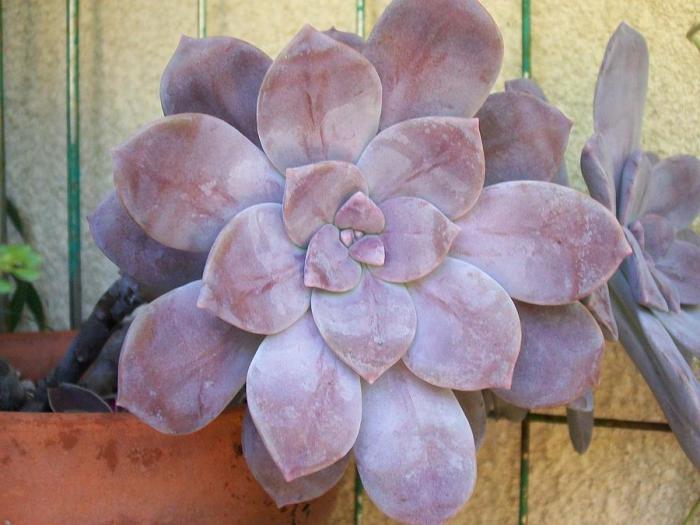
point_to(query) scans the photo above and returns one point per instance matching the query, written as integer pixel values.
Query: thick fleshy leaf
(468, 332)
(182, 178)
(314, 193)
(270, 477)
(598, 303)
(636, 270)
(353, 40)
(370, 327)
(415, 451)
(673, 190)
(683, 327)
(600, 184)
(579, 419)
(328, 265)
(219, 76)
(369, 249)
(618, 106)
(320, 100)
(416, 239)
(544, 243)
(254, 277)
(524, 138)
(474, 408)
(438, 159)
(633, 186)
(306, 404)
(180, 366)
(664, 368)
(360, 213)
(434, 58)
(681, 264)
(73, 398)
(560, 356)
(157, 268)
(502, 409)
(658, 235)
(668, 289)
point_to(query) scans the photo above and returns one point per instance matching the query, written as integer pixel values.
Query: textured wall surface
(627, 477)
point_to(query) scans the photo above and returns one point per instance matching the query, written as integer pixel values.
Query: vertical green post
(3, 183)
(201, 18)
(524, 469)
(526, 58)
(360, 18)
(73, 155)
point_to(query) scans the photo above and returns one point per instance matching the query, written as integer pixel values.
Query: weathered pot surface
(113, 469)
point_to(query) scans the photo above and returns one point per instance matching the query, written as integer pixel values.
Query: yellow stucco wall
(627, 477)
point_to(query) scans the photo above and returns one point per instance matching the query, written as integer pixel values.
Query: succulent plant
(369, 249)
(656, 292)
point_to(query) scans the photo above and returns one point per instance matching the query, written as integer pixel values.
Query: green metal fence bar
(525, 33)
(201, 18)
(3, 182)
(524, 469)
(73, 155)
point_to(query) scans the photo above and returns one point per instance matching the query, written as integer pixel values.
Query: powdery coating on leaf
(157, 268)
(474, 408)
(633, 187)
(306, 404)
(369, 249)
(683, 327)
(349, 39)
(320, 100)
(600, 185)
(438, 159)
(180, 366)
(270, 477)
(525, 85)
(183, 177)
(658, 235)
(254, 277)
(636, 269)
(673, 190)
(434, 58)
(415, 451)
(524, 138)
(361, 213)
(618, 106)
(544, 243)
(328, 265)
(559, 358)
(681, 265)
(468, 332)
(370, 327)
(416, 239)
(598, 303)
(219, 76)
(314, 193)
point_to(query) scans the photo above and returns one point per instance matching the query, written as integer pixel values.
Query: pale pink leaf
(416, 239)
(683, 327)
(524, 138)
(157, 268)
(320, 100)
(369, 249)
(370, 327)
(415, 452)
(633, 186)
(474, 408)
(658, 235)
(254, 277)
(438, 159)
(180, 366)
(468, 332)
(306, 404)
(219, 76)
(314, 193)
(600, 183)
(681, 264)
(183, 177)
(598, 303)
(641, 281)
(353, 40)
(328, 265)
(544, 243)
(560, 356)
(361, 213)
(434, 58)
(270, 477)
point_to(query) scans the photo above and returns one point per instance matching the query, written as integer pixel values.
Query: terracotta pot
(112, 469)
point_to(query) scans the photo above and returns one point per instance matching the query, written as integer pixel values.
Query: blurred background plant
(20, 266)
